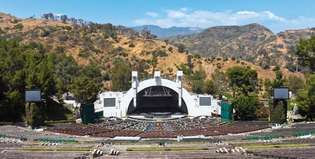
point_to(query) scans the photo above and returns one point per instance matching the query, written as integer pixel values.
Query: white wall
(188, 99)
(73, 103)
(123, 99)
(108, 111)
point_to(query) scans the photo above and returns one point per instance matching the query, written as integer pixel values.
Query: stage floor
(157, 117)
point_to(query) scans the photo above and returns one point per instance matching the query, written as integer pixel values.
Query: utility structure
(278, 111)
(33, 106)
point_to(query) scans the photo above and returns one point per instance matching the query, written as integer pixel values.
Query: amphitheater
(156, 96)
(158, 118)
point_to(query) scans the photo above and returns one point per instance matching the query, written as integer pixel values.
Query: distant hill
(252, 42)
(96, 43)
(168, 32)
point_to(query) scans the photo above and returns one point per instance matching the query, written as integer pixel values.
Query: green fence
(226, 111)
(56, 140)
(99, 115)
(2, 136)
(304, 133)
(276, 135)
(262, 137)
(87, 113)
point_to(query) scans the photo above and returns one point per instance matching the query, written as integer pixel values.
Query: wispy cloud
(152, 14)
(204, 18)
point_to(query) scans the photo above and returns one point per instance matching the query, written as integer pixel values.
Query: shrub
(242, 79)
(278, 112)
(245, 107)
(305, 50)
(159, 53)
(197, 86)
(181, 48)
(105, 36)
(170, 70)
(198, 82)
(67, 28)
(84, 54)
(265, 66)
(63, 37)
(209, 87)
(1, 31)
(170, 49)
(131, 45)
(295, 83)
(120, 75)
(34, 115)
(19, 26)
(15, 21)
(197, 56)
(219, 66)
(118, 51)
(44, 33)
(60, 49)
(262, 112)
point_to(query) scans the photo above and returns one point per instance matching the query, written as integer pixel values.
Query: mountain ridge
(167, 32)
(102, 43)
(253, 42)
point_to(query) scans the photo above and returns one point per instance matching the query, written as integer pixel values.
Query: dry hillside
(253, 42)
(101, 43)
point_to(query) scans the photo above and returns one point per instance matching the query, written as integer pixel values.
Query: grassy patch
(149, 149)
(272, 146)
(59, 121)
(65, 149)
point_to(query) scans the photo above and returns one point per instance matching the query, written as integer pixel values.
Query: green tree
(87, 84)
(153, 61)
(12, 80)
(85, 89)
(268, 88)
(28, 66)
(209, 87)
(305, 98)
(24, 67)
(181, 48)
(65, 71)
(220, 82)
(120, 75)
(242, 80)
(295, 83)
(197, 79)
(278, 111)
(185, 68)
(279, 80)
(34, 114)
(306, 53)
(245, 107)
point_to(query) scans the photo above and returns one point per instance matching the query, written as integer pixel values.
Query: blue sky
(277, 15)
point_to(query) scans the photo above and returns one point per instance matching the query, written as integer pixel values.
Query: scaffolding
(157, 92)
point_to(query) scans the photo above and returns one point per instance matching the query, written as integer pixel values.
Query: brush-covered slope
(102, 43)
(254, 43)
